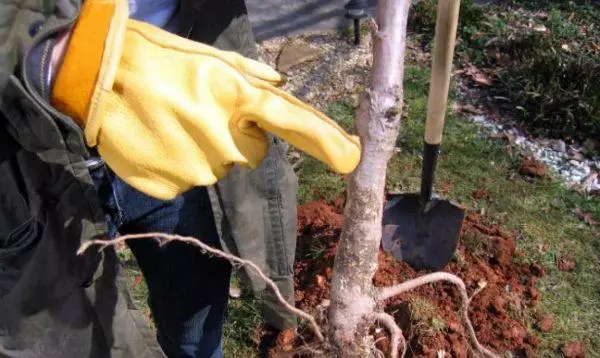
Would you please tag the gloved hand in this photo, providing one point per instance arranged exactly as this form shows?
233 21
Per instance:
167 113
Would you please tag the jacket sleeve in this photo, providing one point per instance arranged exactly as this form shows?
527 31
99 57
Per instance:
27 33
27 30
22 22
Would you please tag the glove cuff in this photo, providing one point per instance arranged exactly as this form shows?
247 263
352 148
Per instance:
90 63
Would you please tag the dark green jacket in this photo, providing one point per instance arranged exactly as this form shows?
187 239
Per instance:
54 303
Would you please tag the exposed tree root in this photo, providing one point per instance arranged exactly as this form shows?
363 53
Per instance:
165 238
395 333
382 293
387 292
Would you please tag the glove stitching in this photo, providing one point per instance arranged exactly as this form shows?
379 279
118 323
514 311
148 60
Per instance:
113 50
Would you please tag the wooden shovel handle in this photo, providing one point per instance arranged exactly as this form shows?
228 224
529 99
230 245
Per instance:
443 52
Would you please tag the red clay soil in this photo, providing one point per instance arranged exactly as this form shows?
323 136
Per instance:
496 312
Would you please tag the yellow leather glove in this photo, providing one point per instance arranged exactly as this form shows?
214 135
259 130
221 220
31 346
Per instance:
167 113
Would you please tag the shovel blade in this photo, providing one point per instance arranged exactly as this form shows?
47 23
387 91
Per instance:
425 239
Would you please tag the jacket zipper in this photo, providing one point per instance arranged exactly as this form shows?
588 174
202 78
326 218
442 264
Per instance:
40 101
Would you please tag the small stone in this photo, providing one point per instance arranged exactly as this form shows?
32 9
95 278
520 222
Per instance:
235 292
303 91
577 155
585 171
544 142
574 163
560 146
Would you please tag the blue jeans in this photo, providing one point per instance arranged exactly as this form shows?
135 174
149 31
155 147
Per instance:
188 290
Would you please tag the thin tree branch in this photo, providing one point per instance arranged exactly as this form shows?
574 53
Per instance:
384 293
206 248
395 333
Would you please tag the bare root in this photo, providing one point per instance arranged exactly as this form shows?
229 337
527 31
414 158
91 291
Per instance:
166 238
395 333
384 293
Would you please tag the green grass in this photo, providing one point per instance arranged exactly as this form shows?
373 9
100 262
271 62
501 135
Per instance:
423 316
243 320
137 285
540 209
243 313
545 54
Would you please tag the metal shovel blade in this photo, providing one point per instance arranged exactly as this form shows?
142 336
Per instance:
425 239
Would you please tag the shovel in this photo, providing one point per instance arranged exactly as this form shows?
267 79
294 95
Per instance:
418 229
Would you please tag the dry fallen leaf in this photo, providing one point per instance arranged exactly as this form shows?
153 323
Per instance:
587 218
481 79
477 75
533 168
445 188
481 193
565 263
285 339
504 136
465 108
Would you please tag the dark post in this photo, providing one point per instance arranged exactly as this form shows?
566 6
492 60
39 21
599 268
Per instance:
356 10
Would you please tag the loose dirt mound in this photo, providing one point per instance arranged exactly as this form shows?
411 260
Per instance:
428 316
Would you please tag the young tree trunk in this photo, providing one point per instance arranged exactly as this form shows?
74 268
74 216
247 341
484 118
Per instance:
352 307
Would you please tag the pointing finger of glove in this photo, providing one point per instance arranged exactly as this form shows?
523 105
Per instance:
304 127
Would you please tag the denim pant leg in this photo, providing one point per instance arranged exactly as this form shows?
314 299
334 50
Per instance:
188 290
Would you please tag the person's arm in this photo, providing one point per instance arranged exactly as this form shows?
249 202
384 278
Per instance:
167 113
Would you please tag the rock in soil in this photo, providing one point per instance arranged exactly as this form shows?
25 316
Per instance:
497 312
574 350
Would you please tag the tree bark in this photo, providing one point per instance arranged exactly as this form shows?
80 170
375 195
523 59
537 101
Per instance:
353 302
